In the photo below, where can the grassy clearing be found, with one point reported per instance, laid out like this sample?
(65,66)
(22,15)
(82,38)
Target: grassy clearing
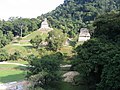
(23,49)
(10,73)
(33,34)
(12,48)
(68,53)
(67,50)
(24,46)
(18,61)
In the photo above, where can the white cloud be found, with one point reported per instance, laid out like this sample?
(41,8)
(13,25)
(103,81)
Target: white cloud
(26,8)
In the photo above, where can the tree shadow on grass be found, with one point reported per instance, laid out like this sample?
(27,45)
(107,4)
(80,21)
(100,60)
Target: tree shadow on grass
(21,68)
(63,86)
(69,86)
(12,78)
(16,73)
(29,48)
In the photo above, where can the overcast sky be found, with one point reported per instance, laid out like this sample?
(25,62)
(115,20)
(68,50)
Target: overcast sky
(26,8)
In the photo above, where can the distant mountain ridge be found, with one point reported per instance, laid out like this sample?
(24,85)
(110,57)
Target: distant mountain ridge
(74,14)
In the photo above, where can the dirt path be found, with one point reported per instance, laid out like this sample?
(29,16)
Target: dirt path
(13,63)
(26,65)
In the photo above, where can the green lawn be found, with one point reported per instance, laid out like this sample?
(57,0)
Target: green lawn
(67,50)
(68,53)
(23,49)
(11,48)
(18,61)
(10,73)
(24,46)
(33,34)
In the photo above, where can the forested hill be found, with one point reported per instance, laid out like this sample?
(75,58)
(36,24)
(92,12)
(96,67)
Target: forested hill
(73,14)
(69,17)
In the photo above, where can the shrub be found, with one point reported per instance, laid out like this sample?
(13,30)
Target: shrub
(3,55)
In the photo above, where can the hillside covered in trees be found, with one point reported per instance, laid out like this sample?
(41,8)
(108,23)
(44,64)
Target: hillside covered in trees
(97,60)
(74,14)
(68,17)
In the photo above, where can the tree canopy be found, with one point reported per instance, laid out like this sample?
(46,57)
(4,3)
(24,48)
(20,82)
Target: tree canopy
(37,41)
(56,39)
(98,59)
(74,14)
(45,70)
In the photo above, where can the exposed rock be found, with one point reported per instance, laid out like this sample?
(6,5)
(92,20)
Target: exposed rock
(69,76)
(23,85)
